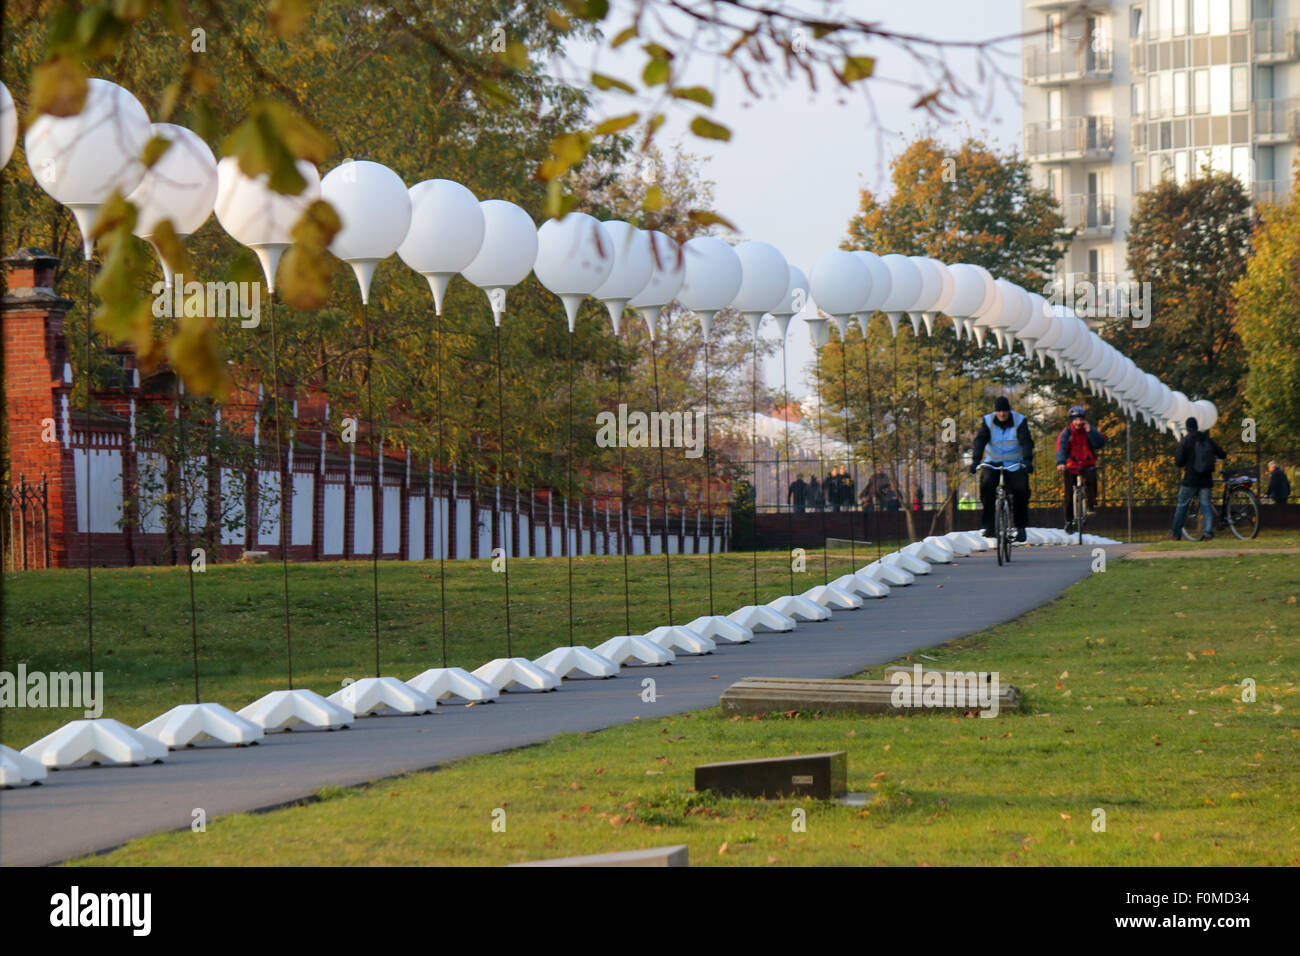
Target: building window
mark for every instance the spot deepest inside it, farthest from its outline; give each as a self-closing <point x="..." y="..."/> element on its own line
<point x="1053" y="32"/>
<point x="1180" y="92"/>
<point x="1241" y="14"/>
<point x="1242" y="167"/>
<point x="1240" y="88"/>
<point x="1220" y="17"/>
<point x="1139" y="177"/>
<point x="1180" y="166"/>
<point x="1200" y="16"/>
<point x="1220" y="89"/>
<point x="1139" y="105"/>
<point x="1180" y="18"/>
<point x="1053" y="109"/>
<point x="1135" y="22"/>
<point x="1201" y="91"/>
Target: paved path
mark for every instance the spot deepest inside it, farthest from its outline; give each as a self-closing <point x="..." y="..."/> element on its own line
<point x="1191" y="552"/>
<point x="82" y="811"/>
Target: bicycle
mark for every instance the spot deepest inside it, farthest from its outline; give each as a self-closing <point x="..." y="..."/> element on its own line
<point x="1004" y="533"/>
<point x="1080" y="504"/>
<point x="1238" y="511"/>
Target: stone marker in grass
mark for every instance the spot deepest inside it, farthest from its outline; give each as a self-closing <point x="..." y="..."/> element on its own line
<point x="823" y="776"/>
<point x="910" y="692"/>
<point x="655" y="856"/>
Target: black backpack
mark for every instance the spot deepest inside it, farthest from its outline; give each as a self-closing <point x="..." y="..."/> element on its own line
<point x="1202" y="454"/>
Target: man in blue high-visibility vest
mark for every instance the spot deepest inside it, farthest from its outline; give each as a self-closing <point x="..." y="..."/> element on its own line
<point x="1003" y="440"/>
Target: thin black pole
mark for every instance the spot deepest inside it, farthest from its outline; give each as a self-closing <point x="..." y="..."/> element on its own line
<point x="437" y="532"/>
<point x="501" y="470"/>
<point x="785" y="388"/>
<point x="1128" y="462"/>
<point x="821" y="461"/>
<point x="90" y="594"/>
<point x="376" y="477"/>
<point x="663" y="480"/>
<point x="569" y="467"/>
<point x="624" y="517"/>
<point x="189" y="550"/>
<point x="279" y="470"/>
<point x="708" y="468"/>
<point x="848" y="443"/>
<point x="753" y="452"/>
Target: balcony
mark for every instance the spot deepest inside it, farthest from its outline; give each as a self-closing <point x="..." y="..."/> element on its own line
<point x="1138" y="135"/>
<point x="1275" y="41"/>
<point x="1072" y="62"/>
<point x="1092" y="215"/>
<point x="1137" y="57"/>
<point x="1277" y="121"/>
<point x="1079" y="137"/>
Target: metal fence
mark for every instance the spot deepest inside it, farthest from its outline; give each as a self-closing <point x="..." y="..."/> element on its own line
<point x="26" y="527"/>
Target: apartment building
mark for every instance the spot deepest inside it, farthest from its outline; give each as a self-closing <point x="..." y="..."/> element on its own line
<point x="1118" y="96"/>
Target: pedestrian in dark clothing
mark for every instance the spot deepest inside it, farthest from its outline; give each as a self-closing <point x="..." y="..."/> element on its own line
<point x="815" y="500"/>
<point x="1279" y="488"/>
<point x="848" y="490"/>
<point x="797" y="495"/>
<point x="832" y="489"/>
<point x="1196" y="455"/>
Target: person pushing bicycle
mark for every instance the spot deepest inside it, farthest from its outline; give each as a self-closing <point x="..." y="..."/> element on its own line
<point x="1003" y="442"/>
<point x="1076" y="457"/>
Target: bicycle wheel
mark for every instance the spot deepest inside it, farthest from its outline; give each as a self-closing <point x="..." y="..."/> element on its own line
<point x="1241" y="511"/>
<point x="1080" y="507"/>
<point x="1006" y="530"/>
<point x="999" y="527"/>
<point x="1193" y="522"/>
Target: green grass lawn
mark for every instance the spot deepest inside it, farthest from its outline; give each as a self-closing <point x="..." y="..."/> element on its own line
<point x="1226" y="539"/>
<point x="142" y="621"/>
<point x="1134" y="685"/>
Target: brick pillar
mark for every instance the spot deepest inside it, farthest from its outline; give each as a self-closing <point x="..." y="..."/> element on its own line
<point x="36" y="392"/>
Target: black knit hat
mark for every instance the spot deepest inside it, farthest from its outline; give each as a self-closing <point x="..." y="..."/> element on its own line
<point x="1002" y="404"/>
<point x="1192" y="425"/>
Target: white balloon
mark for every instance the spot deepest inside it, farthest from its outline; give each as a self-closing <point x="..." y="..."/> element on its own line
<point x="936" y="284"/>
<point x="445" y="234"/>
<point x="712" y="278"/>
<point x="881" y="284"/>
<point x="8" y="126"/>
<point x="507" y="255"/>
<point x="905" y="287"/>
<point x="796" y="297"/>
<point x="973" y="292"/>
<point x="80" y="160"/>
<point x="180" y="186"/>
<point x="374" y="208"/>
<point x="1206" y="414"/>
<point x="840" y="283"/>
<point x="764" y="280"/>
<point x="573" y="259"/>
<point x="634" y="264"/>
<point x="257" y="216"/>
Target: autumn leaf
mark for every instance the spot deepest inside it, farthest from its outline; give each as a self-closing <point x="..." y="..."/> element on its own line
<point x="697" y="94"/>
<point x="603" y="82"/>
<point x="170" y="247"/>
<point x="289" y="16"/>
<point x="627" y="33"/>
<point x="656" y="71"/>
<point x="616" y="123"/>
<point x="59" y="87"/>
<point x="705" y="219"/>
<point x="154" y="150"/>
<point x="709" y="130"/>
<point x="317" y="226"/>
<point x="305" y="277"/>
<point x="858" y="68"/>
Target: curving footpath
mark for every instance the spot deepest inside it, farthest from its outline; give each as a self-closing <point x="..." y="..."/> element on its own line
<point x="87" y="810"/>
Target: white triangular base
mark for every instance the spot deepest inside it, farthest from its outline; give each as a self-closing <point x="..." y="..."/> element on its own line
<point x="19" y="770"/>
<point x="908" y="562"/>
<point x="681" y="640"/>
<point x="832" y="596"/>
<point x="98" y="741"/>
<point x="517" y="674"/>
<point x="190" y="724"/>
<point x="721" y="629"/>
<point x="634" y="649"/>
<point x="927" y="552"/>
<point x="799" y="608"/>
<point x="442" y="683"/>
<point x="566" y="661"/>
<point x="373" y="696"/>
<point x="296" y="710"/>
<point x="862" y="585"/>
<point x="890" y="574"/>
<point x="960" y="544"/>
<point x="941" y="550"/>
<point x="977" y="540"/>
<point x="755" y="616"/>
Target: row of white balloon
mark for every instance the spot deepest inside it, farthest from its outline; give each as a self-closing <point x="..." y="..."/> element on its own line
<point x="440" y="229"/>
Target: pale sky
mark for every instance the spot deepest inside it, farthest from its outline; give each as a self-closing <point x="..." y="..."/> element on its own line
<point x="792" y="171"/>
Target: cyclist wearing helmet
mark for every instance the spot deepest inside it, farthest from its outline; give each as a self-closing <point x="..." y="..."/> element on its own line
<point x="1003" y="440"/>
<point x="1076" y="454"/>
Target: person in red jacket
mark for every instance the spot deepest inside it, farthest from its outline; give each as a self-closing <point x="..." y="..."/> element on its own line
<point x="1076" y="455"/>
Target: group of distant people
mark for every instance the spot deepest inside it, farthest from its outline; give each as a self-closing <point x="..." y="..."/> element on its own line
<point x="838" y="492"/>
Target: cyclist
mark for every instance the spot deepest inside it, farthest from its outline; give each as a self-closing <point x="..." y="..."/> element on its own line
<point x="1003" y="440"/>
<point x="1197" y="455"/>
<point x="1076" y="455"/>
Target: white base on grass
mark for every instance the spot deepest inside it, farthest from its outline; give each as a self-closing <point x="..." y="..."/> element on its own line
<point x="19" y="770"/>
<point x="681" y="640"/>
<point x="862" y="585"/>
<point x="374" y="696"/>
<point x="799" y="608"/>
<point x="190" y="724"/>
<point x="755" y="616"/>
<point x="721" y="629"/>
<point x="634" y="649"/>
<point x="888" y="573"/>
<point x="517" y="674"/>
<point x="442" y="683"/>
<point x="567" y="661"/>
<point x="296" y="710"/>
<point x="99" y="741"/>
<point x="833" y="597"/>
